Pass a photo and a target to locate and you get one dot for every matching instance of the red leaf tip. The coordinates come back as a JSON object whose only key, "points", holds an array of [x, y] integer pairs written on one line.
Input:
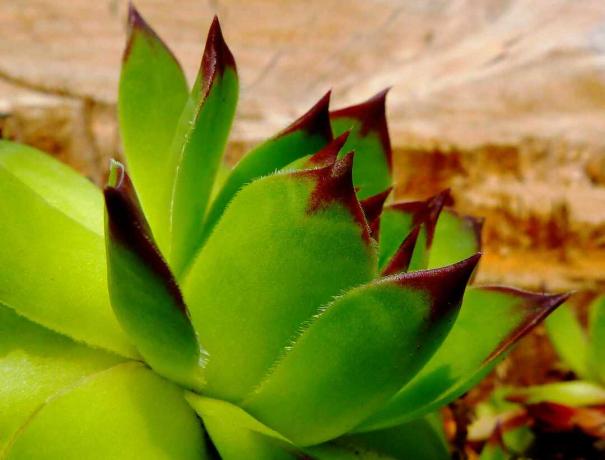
{"points": [[371, 115], [535, 306], [445, 285], [328, 155], [316, 121], [372, 209], [400, 262], [217, 57], [334, 184], [127, 226]]}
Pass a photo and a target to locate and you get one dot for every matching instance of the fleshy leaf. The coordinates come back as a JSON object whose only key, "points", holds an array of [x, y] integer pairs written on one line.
{"points": [[398, 222], [143, 292], [574, 393], [198, 147], [456, 237], [491, 320], [35, 363], [124, 412], [236, 434], [152, 94], [369, 139], [262, 274], [331, 379], [308, 134], [52, 256], [569, 340], [421, 439], [596, 351]]}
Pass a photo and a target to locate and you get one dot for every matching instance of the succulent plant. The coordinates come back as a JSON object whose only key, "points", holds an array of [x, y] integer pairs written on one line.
{"points": [[279, 309]]}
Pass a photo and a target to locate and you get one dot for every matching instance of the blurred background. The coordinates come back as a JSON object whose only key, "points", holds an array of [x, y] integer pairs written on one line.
{"points": [[501, 100]]}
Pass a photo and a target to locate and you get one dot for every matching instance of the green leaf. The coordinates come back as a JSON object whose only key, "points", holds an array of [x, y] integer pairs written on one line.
{"points": [[35, 363], [421, 439], [569, 340], [357, 352], [456, 237], [398, 222], [236, 434], [263, 272], [198, 153], [124, 412], [310, 133], [445, 236], [52, 256], [491, 320], [596, 350], [152, 94], [143, 292], [369, 139], [576, 393]]}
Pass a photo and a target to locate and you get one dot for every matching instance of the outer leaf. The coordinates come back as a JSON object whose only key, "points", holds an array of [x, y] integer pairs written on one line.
{"points": [[422, 439], [596, 350], [308, 134], [263, 272], [357, 352], [491, 320], [569, 339], [236, 434], [152, 94], [52, 258], [144, 294], [124, 412], [369, 139], [198, 154], [34, 364]]}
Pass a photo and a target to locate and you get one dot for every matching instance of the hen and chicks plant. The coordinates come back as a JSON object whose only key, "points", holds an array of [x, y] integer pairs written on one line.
{"points": [[282, 308]]}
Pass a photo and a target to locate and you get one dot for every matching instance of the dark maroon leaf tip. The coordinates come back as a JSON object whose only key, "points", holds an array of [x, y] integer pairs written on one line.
{"points": [[371, 116], [400, 262], [425, 212], [535, 308], [334, 184], [372, 209], [316, 121], [137, 25], [128, 227], [434, 206], [328, 155], [445, 285], [216, 59]]}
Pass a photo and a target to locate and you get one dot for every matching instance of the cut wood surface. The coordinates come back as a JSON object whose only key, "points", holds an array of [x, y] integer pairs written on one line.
{"points": [[501, 100]]}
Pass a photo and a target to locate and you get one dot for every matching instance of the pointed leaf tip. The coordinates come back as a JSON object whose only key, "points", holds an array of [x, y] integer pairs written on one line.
{"points": [[334, 183], [536, 308], [137, 24], [400, 261], [445, 285], [127, 226], [371, 115], [217, 57], [328, 155], [372, 209], [316, 121], [434, 206]]}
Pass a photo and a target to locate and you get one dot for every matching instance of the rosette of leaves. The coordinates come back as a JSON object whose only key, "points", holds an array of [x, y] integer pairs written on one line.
{"points": [[278, 309]]}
